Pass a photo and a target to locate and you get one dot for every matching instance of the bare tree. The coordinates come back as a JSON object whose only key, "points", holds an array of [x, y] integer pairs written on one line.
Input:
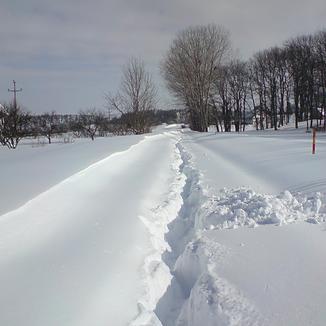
{"points": [[237, 79], [320, 40], [14, 125], [303, 63], [48, 124], [136, 97], [221, 100], [189, 69], [269, 85], [89, 122]]}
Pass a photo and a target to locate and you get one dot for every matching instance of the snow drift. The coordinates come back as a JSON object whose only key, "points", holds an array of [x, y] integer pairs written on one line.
{"points": [[232, 208]]}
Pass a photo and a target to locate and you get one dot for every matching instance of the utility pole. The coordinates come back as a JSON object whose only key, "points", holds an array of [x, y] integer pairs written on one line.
{"points": [[15, 91], [314, 141]]}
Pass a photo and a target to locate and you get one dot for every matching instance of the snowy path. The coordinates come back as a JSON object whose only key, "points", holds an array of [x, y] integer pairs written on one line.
{"points": [[74, 254]]}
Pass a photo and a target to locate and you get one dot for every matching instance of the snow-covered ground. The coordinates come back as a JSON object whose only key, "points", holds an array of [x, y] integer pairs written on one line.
{"points": [[172, 228], [35, 167], [74, 254], [245, 249]]}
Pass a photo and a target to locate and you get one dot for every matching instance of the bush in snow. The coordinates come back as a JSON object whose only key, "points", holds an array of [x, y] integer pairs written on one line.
{"points": [[14, 125]]}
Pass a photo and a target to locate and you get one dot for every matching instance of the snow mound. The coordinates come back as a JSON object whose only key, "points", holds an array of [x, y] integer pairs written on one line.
{"points": [[211, 299], [217, 303], [194, 260], [233, 208]]}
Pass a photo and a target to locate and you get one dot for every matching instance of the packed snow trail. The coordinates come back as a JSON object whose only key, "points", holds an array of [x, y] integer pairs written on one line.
{"points": [[74, 255]]}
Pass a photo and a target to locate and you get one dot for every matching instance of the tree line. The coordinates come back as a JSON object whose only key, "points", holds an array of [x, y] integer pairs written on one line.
{"points": [[216, 88], [16, 124]]}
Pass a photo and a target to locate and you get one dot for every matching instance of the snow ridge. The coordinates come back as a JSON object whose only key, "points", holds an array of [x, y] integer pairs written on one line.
{"points": [[156, 273]]}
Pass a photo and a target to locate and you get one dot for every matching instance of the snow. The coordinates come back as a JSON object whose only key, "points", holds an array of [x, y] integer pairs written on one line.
{"points": [[156, 273], [267, 161], [74, 254], [176, 228], [281, 270], [32, 168], [247, 251], [243, 207]]}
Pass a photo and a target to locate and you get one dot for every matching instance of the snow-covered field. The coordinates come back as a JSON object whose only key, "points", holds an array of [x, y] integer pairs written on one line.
{"points": [[253, 252], [171, 228], [33, 168]]}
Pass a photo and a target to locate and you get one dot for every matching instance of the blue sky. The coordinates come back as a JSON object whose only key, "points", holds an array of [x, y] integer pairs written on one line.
{"points": [[66, 54]]}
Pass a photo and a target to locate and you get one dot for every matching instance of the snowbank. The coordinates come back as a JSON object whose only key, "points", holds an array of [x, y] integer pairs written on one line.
{"points": [[28, 171], [74, 255], [156, 273]]}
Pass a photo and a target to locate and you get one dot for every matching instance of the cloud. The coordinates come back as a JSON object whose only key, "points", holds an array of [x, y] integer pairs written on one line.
{"points": [[74, 49]]}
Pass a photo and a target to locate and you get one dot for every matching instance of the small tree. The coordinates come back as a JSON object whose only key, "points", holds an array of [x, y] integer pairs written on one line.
{"points": [[90, 121], [14, 125], [49, 125]]}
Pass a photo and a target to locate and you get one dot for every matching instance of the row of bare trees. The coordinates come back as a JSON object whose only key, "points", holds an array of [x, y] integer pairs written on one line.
{"points": [[134, 106], [266, 90], [229, 96], [16, 124], [289, 79], [89, 123]]}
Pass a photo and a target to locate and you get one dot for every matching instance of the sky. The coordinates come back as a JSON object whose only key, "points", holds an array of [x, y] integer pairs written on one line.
{"points": [[67, 54]]}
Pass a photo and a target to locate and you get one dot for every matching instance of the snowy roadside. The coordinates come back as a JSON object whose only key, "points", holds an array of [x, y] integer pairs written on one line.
{"points": [[74, 255], [30, 170], [227, 270]]}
